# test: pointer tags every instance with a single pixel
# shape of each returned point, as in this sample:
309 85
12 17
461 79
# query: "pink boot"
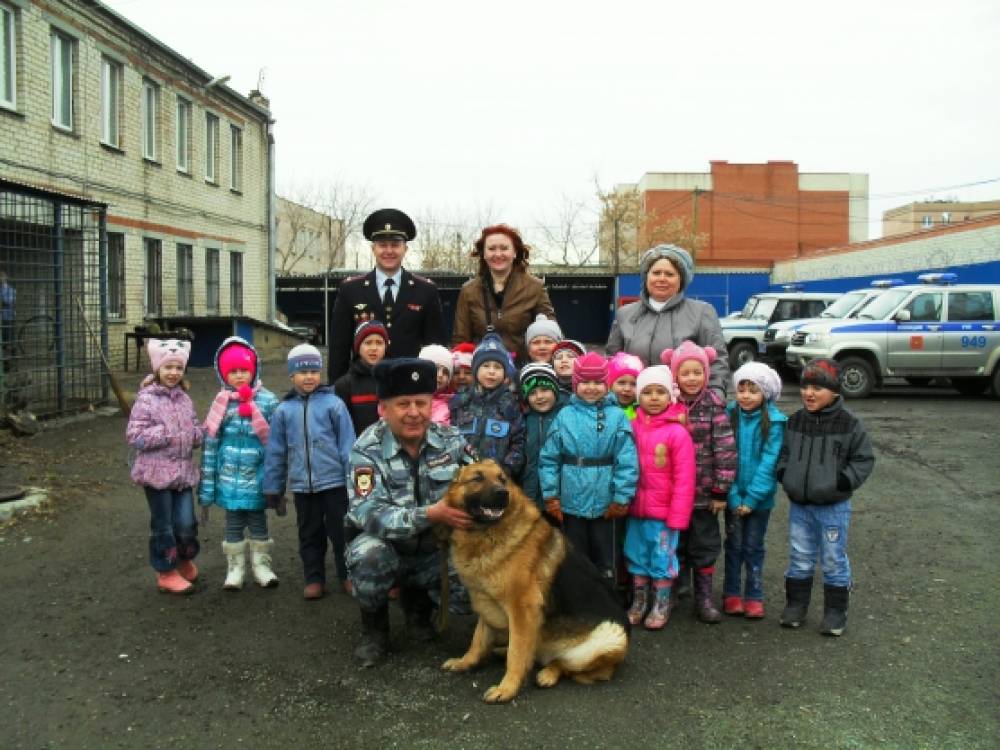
172 582
188 570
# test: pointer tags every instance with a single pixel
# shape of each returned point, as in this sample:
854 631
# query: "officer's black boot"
374 637
417 608
797 593
835 600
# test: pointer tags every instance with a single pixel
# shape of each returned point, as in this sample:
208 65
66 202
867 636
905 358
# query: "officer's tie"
387 299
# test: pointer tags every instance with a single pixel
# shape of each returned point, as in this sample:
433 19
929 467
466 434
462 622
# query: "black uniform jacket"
416 318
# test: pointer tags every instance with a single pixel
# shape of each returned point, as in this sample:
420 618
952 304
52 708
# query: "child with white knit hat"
760 429
664 498
445 364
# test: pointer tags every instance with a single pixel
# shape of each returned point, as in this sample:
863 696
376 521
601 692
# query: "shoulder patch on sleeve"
364 480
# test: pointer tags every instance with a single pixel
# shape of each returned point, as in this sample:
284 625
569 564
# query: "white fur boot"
262 573
236 561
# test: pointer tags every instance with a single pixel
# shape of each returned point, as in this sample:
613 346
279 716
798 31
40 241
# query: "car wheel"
741 353
856 377
919 382
971 386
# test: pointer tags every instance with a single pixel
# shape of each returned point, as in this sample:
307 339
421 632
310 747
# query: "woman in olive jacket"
502 296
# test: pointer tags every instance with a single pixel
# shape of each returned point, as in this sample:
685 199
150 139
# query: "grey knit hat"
681 258
543 326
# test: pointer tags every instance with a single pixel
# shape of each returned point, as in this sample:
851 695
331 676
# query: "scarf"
247 408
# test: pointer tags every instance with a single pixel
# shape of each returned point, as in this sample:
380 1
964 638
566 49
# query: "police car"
745 334
921 331
778 335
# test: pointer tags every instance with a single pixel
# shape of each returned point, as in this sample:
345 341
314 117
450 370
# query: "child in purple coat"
163 430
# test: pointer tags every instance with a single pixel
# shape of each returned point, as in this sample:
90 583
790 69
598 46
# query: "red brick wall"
755 213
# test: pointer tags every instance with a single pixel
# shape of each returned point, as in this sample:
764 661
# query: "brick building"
921 215
93 106
754 214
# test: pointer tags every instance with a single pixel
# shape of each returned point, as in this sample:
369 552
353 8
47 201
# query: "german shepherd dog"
529 584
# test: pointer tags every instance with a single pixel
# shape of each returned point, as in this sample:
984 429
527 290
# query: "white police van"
745 333
778 335
918 332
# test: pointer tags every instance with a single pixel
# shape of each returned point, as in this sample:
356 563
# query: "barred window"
185 279
153 301
236 283
116 275
212 280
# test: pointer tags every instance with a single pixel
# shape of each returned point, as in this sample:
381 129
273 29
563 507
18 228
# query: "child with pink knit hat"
232 463
623 369
715 448
163 431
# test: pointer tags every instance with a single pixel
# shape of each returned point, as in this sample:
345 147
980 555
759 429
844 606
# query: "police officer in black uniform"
408 304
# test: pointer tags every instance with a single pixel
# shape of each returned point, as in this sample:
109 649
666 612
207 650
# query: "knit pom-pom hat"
462 354
543 326
439 355
688 350
369 328
591 366
237 356
491 349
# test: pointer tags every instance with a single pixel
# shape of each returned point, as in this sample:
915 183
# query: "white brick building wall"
146 198
960 245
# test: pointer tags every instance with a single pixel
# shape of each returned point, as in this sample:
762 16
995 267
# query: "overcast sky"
459 106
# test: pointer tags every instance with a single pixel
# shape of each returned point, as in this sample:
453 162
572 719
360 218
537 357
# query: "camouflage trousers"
374 566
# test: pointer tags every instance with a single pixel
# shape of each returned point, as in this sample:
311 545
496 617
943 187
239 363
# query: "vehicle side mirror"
903 316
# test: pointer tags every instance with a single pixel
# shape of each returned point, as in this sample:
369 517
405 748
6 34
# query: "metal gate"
52 285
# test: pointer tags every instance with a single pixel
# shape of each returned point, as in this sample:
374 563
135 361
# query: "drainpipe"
272 307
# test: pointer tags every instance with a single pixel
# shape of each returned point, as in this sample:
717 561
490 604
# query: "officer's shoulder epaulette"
358 277
422 279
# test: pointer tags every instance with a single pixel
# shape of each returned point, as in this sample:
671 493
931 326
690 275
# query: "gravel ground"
94 657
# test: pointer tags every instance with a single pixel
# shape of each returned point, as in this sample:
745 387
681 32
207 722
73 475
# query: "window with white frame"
212 280
150 114
236 157
153 301
236 283
8 58
63 50
183 134
211 147
185 279
116 275
111 97
927 222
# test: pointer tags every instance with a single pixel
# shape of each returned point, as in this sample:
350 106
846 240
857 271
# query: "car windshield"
842 306
759 307
884 304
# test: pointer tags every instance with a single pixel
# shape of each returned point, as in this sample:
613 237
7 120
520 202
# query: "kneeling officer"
401 468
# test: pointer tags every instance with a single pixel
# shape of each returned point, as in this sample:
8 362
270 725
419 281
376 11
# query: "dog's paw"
499 694
548 677
455 665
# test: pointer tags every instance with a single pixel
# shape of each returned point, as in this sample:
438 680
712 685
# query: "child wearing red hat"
588 467
356 387
461 374
232 462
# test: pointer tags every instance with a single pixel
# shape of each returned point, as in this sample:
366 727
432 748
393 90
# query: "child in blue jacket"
232 462
759 428
310 448
589 467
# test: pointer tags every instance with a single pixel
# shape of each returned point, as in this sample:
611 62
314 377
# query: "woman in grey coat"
663 317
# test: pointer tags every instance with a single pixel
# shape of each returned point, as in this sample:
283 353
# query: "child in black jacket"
356 387
825 457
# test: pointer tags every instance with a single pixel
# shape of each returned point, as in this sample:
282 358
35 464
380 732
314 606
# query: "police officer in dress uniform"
401 467
408 304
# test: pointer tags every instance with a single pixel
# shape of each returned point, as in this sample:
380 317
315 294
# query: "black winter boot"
835 599
374 637
682 584
704 604
797 593
417 607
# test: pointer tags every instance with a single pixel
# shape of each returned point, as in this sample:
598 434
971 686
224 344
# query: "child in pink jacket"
664 498
163 431
445 363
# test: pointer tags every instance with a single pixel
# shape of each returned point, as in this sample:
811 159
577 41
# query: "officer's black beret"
404 376
389 224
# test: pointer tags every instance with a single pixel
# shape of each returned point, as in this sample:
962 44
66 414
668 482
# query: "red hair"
521 250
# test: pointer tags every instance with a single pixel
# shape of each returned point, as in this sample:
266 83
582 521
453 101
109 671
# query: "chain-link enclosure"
52 285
